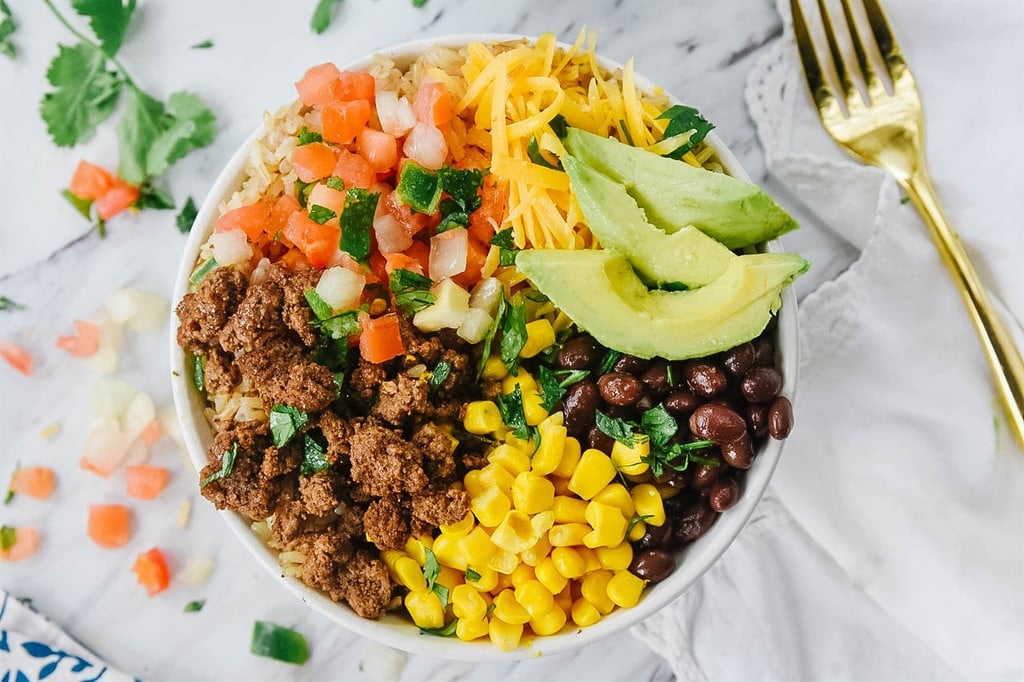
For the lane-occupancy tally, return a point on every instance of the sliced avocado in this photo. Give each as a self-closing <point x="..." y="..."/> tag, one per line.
<point x="675" y="195"/>
<point x="600" y="292"/>
<point x="688" y="256"/>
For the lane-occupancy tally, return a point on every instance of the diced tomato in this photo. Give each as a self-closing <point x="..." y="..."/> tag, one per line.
<point x="317" y="242"/>
<point x="319" y="84"/>
<point x="90" y="181"/>
<point x="381" y="339"/>
<point x="313" y="161"/>
<point x="145" y="482"/>
<point x="16" y="357"/>
<point x="254" y="220"/>
<point x="116" y="199"/>
<point x="420" y="253"/>
<point x="84" y="343"/>
<point x="34" y="482"/>
<point x="433" y="104"/>
<point x="25" y="543"/>
<point x="294" y="261"/>
<point x="152" y="432"/>
<point x="476" y="254"/>
<point x="484" y="222"/>
<point x="401" y="261"/>
<point x="342" y="121"/>
<point x="380" y="149"/>
<point x="354" y="170"/>
<point x="150" y="568"/>
<point x="109" y="525"/>
<point x="328" y="197"/>
<point x="353" y="85"/>
<point x="412" y="222"/>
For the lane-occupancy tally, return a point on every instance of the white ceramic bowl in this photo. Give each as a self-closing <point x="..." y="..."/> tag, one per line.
<point x="399" y="632"/>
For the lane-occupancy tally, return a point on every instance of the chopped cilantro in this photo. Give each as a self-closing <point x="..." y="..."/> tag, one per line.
<point x="204" y="45"/>
<point x="659" y="425"/>
<point x="341" y="326"/>
<point x="411" y="290"/>
<point x="559" y="126"/>
<point x="418" y="188"/>
<point x="533" y="151"/>
<point x="683" y="119"/>
<point x="904" y="200"/>
<point x="285" y="422"/>
<point x="431" y="567"/>
<point x="410" y="302"/>
<point x="472" y="576"/>
<point x="307" y="136"/>
<point x="510" y="406"/>
<point x="442" y="593"/>
<point x="199" y="373"/>
<point x="440" y="374"/>
<point x="356" y="221"/>
<point x="507" y="248"/>
<point x="313" y="459"/>
<point x="187" y="217"/>
<point x="227" y="465"/>
<point x="462" y="185"/>
<point x="7" y="28"/>
<point x="616" y="428"/>
<point x="323" y="14"/>
<point x="610" y="358"/>
<point x="8" y="304"/>
<point x="334" y="182"/>
<point x="194" y="606"/>
<point x="449" y="629"/>
<point x="320" y="214"/>
<point x="200" y="274"/>
<point x="513" y="333"/>
<point x="499" y="317"/>
<point x="302" y="191"/>
<point x="8" y="536"/>
<point x="152" y="197"/>
<point x="9" y="496"/>
<point x="318" y="304"/>
<point x="419" y="3"/>
<point x="278" y="643"/>
<point x="553" y="383"/>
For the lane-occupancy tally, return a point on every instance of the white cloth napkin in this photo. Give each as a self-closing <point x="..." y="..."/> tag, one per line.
<point x="890" y="545"/>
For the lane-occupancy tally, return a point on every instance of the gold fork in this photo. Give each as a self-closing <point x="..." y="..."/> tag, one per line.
<point x="887" y="130"/>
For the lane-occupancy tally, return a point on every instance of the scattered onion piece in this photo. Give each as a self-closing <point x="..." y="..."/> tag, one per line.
<point x="183" y="513"/>
<point x="49" y="431"/>
<point x="105" y="447"/>
<point x="16" y="357"/>
<point x="26" y="541"/>
<point x="84" y="343"/>
<point x="197" y="569"/>
<point x="37" y="482"/>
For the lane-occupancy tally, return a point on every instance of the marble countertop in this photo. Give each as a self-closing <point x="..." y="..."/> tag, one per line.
<point x="50" y="262"/>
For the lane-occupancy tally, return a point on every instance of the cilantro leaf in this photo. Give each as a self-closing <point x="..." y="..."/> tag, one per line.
<point x="151" y="138"/>
<point x="449" y="629"/>
<point x="8" y="536"/>
<point x="412" y="290"/>
<point x="340" y="326"/>
<point x="320" y="214"/>
<point x="194" y="606"/>
<point x="108" y="20"/>
<point x="199" y="373"/>
<point x="419" y="3"/>
<point x="8" y="304"/>
<point x="356" y="221"/>
<point x="200" y="274"/>
<point x="510" y="406"/>
<point x="431" y="567"/>
<point x="442" y="593"/>
<point x="507" y="248"/>
<point x="83" y="206"/>
<point x="513" y="333"/>
<point x="227" y="465"/>
<point x="85" y="96"/>
<point x="187" y="217"/>
<point x="302" y="192"/>
<point x="410" y="302"/>
<point x="610" y="358"/>
<point x="617" y="428"/>
<point x="441" y="372"/>
<point x="285" y="422"/>
<point x="537" y="157"/>
<point x="683" y="119"/>
<point x="7" y="28"/>
<point x="462" y="185"/>
<point x="659" y="425"/>
<point x="499" y="317"/>
<point x="452" y="220"/>
<point x="472" y="576"/>
<point x="307" y="136"/>
<point x="319" y="305"/>
<point x="559" y="126"/>
<point x="334" y="182"/>
<point x="323" y="14"/>
<point x="205" y="45"/>
<point x="553" y="383"/>
<point x="153" y="197"/>
<point x="669" y="456"/>
<point x="313" y="459"/>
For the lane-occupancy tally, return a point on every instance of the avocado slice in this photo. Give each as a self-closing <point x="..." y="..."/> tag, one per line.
<point x="675" y="195"/>
<point x="601" y="293"/>
<point x="687" y="257"/>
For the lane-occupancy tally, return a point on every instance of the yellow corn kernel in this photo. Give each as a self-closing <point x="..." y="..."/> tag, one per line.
<point x="482" y="416"/>
<point x="564" y="598"/>
<point x="561" y="486"/>
<point x="533" y="407"/>
<point x="505" y="636"/>
<point x="506" y="608"/>
<point x="448" y="553"/>
<point x="503" y="561"/>
<point x="594" y="472"/>
<point x="494" y="369"/>
<point x="522" y="574"/>
<point x="552" y="445"/>
<point x="390" y="557"/>
<point x="417" y="548"/>
<point x="510" y="458"/>
<point x="504" y="582"/>
<point x="539" y="335"/>
<point x="570" y="458"/>
<point x="567" y="534"/>
<point x="468" y="630"/>
<point x="617" y="495"/>
<point x="568" y="562"/>
<point x="569" y="509"/>
<point x="524" y="380"/>
<point x="629" y="458"/>
<point x="639" y="478"/>
<point x="667" y="492"/>
<point x="584" y="613"/>
<point x="477" y="547"/>
<point x="589" y="558"/>
<point x="497" y="476"/>
<point x="467" y="603"/>
<point x="425" y="609"/>
<point x="515" y="533"/>
<point x="490" y="506"/>
<point x="594" y="589"/>
<point x="534" y="597"/>
<point x="531" y="493"/>
<point x="608" y="523"/>
<point x="410" y="574"/>
<point x="451" y="577"/>
<point x="625" y="589"/>
<point x="460" y="528"/>
<point x="638" y="530"/>
<point x="488" y="579"/>
<point x="538" y="552"/>
<point x="472" y="482"/>
<point x="648" y="504"/>
<point x="549" y="576"/>
<point x="616" y="558"/>
<point x="549" y="622"/>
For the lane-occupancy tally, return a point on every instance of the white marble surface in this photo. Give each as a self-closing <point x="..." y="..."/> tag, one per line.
<point x="701" y="51"/>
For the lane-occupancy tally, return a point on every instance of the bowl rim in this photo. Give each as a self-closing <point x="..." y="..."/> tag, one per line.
<point x="399" y="633"/>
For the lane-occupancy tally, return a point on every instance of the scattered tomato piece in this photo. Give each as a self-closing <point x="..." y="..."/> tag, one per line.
<point x="35" y="482"/>
<point x="109" y="524"/>
<point x="486" y="220"/>
<point x="90" y="181"/>
<point x="319" y="243"/>
<point x="151" y="570"/>
<point x="433" y="104"/>
<point x="118" y="198"/>
<point x="381" y="339"/>
<point x="476" y="256"/>
<point x="84" y="343"/>
<point x="342" y="121"/>
<point x="313" y="161"/>
<point x="401" y="261"/>
<point x="145" y="482"/>
<point x="26" y="541"/>
<point x="16" y="357"/>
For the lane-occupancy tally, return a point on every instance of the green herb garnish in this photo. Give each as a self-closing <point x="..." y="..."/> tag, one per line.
<point x="472" y="576"/>
<point x="617" y="428"/>
<point x="431" y="567"/>
<point x="153" y="197"/>
<point x="8" y="536"/>
<point x="335" y="183"/>
<point x="411" y="290"/>
<point x="537" y="157"/>
<point x="302" y="192"/>
<point x="510" y="406"/>
<point x="285" y="422"/>
<point x="194" y="606"/>
<point x="683" y="119"/>
<point x="499" y="317"/>
<point x="507" y="248"/>
<point x="278" y="643"/>
<point x="610" y="358"/>
<point x="635" y="520"/>
<point x="513" y="333"/>
<point x="356" y="221"/>
<point x="7" y="28"/>
<point x="84" y="208"/>
<point x="553" y="383"/>
<point x="8" y="304"/>
<point x="8" y="497"/>
<point x="187" y="217"/>
<point x="462" y="185"/>
<point x="204" y="45"/>
<point x="313" y="459"/>
<point x="440" y="374"/>
<point x="321" y="214"/>
<point x="659" y="425"/>
<point x="340" y="326"/>
<point x="559" y="126"/>
<point x="227" y="465"/>
<point x="307" y="136"/>
<point x="449" y="629"/>
<point x="199" y="373"/>
<point x="204" y="269"/>
<point x="318" y="304"/>
<point x="904" y="200"/>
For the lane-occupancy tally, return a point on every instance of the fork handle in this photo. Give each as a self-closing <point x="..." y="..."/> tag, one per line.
<point x="1000" y="351"/>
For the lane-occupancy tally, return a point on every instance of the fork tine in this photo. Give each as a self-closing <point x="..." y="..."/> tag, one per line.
<point x="816" y="83"/>
<point x="886" y="41"/>
<point x="852" y="96"/>
<point x="874" y="85"/>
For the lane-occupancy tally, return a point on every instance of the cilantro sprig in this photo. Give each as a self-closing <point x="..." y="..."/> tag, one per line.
<point x="7" y="29"/>
<point x="227" y="465"/>
<point x="513" y="332"/>
<point x="554" y="383"/>
<point x="314" y="459"/>
<point x="411" y="290"/>
<point x="285" y="422"/>
<point x="8" y="304"/>
<point x="441" y="372"/>
<point x="507" y="249"/>
<point x="681" y="120"/>
<point x="510" y="407"/>
<point x="187" y="217"/>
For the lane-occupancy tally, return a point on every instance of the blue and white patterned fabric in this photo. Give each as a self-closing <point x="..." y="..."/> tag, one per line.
<point x="32" y="648"/>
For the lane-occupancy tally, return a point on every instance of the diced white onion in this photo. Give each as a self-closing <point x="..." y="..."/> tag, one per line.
<point x="105" y="445"/>
<point x="197" y="569"/>
<point x="447" y="312"/>
<point x="230" y="247"/>
<point x="340" y="288"/>
<point x="426" y="146"/>
<point x="140" y="310"/>
<point x="391" y="236"/>
<point x="448" y="253"/>
<point x="183" y="513"/>
<point x="395" y="115"/>
<point x="110" y="398"/>
<point x="138" y="415"/>
<point x="475" y="326"/>
<point x="381" y="663"/>
<point x="122" y="304"/>
<point x="104" y="361"/>
<point x="486" y="295"/>
<point x="137" y="453"/>
<point x="262" y="271"/>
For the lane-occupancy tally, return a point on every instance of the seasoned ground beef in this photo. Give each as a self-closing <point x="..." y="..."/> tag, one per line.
<point x="402" y="399"/>
<point x="387" y="522"/>
<point x="317" y="492"/>
<point x="204" y="313"/>
<point x="443" y="506"/>
<point x="220" y="374"/>
<point x="435" y="446"/>
<point x="366" y="585"/>
<point x="383" y="461"/>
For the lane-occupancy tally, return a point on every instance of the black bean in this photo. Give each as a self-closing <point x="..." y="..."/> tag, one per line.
<point x="761" y="384"/>
<point x="619" y="388"/>
<point x="646" y="403"/>
<point x="681" y="402"/>
<point x="717" y="422"/>
<point x="693" y="522"/>
<point x="656" y="378"/>
<point x="599" y="440"/>
<point x="579" y="352"/>
<point x="627" y="412"/>
<point x="631" y="364"/>
<point x="739" y="453"/>
<point x="764" y="353"/>
<point x="656" y="537"/>
<point x="706" y="380"/>
<point x="703" y="475"/>
<point x="739" y="359"/>
<point x="780" y="418"/>
<point x="578" y="405"/>
<point x="654" y="565"/>
<point x="723" y="494"/>
<point x="757" y="418"/>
